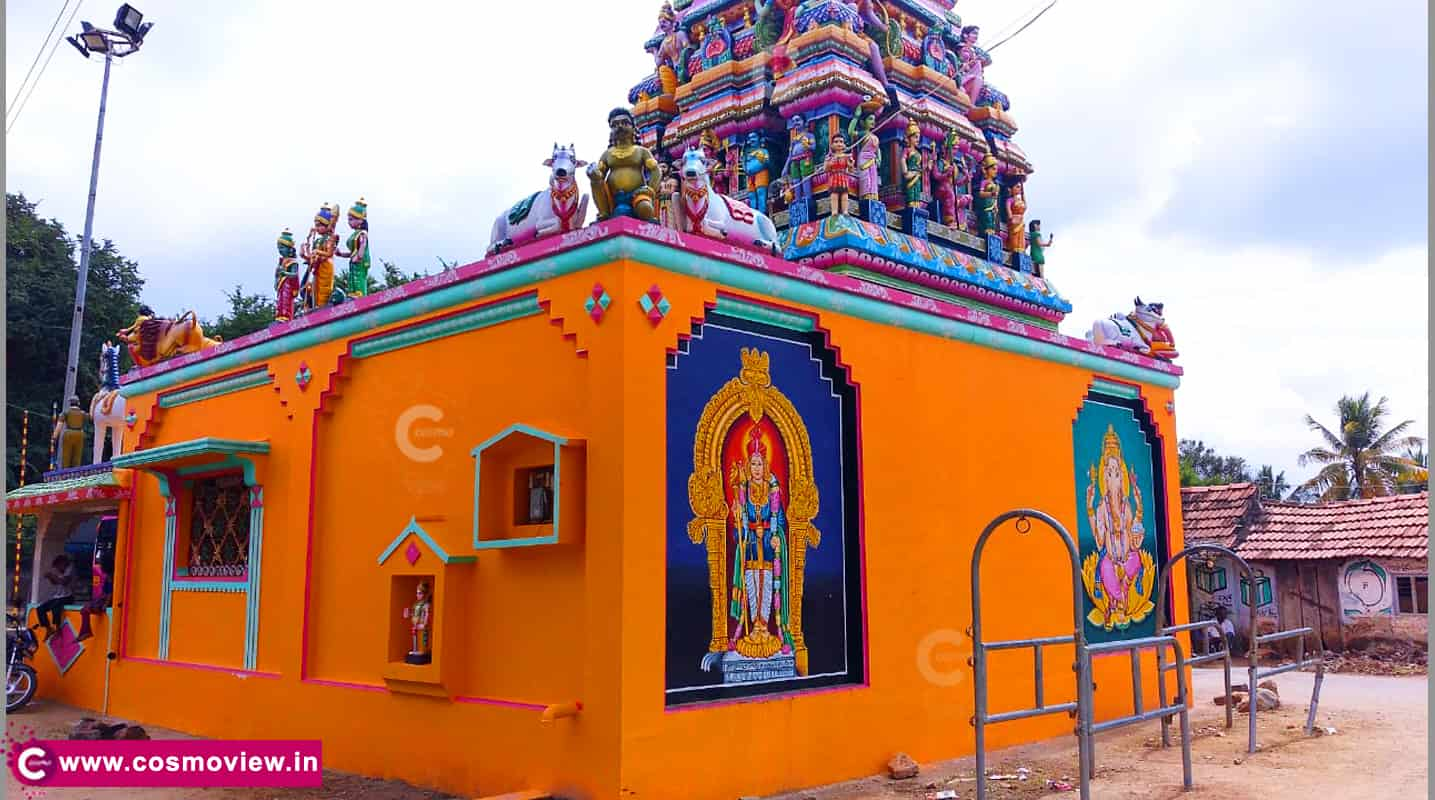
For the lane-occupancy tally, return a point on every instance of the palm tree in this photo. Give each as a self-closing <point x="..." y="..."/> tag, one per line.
<point x="1273" y="484"/>
<point x="1358" y="461"/>
<point x="1417" y="477"/>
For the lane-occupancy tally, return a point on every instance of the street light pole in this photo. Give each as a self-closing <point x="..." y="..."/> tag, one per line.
<point x="72" y="363"/>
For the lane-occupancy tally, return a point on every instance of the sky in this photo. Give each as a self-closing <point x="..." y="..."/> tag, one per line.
<point x="1258" y="167"/>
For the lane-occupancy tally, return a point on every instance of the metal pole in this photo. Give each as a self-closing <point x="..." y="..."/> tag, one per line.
<point x="72" y="362"/>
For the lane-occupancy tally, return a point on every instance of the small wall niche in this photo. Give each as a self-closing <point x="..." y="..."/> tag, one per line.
<point x="418" y="556"/>
<point x="403" y="591"/>
<point x="528" y="489"/>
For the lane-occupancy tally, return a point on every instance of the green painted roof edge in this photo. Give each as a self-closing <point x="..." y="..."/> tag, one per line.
<point x="193" y="447"/>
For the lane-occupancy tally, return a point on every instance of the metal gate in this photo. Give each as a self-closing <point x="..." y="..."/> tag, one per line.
<point x="1082" y="707"/>
<point x="1253" y="672"/>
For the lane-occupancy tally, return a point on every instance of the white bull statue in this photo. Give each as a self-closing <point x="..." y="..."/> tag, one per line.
<point x="700" y="209"/>
<point x="1144" y="331"/>
<point x="557" y="209"/>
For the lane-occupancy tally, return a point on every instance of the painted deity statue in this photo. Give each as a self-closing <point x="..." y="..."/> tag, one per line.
<point x="1113" y="508"/>
<point x="883" y="34"/>
<point x="357" y="249"/>
<point x="151" y="338"/>
<point x="318" y="252"/>
<point x="667" y="187"/>
<point x="797" y="171"/>
<point x="69" y="434"/>
<point x="286" y="278"/>
<point x="713" y="151"/>
<point x="973" y="63"/>
<point x="420" y="617"/>
<point x="838" y="168"/>
<point x="625" y="178"/>
<point x="1016" y="216"/>
<point x="758" y="601"/>
<point x="668" y="54"/>
<point x="950" y="179"/>
<point x="756" y="162"/>
<point x="986" y="200"/>
<point x="869" y="153"/>
<point x="1038" y="247"/>
<point x="107" y="407"/>
<point x="776" y="22"/>
<point x="913" y="164"/>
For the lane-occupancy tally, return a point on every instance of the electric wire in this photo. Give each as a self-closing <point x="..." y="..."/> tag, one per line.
<point x="36" y="82"/>
<point x="36" y="60"/>
<point x="1024" y="27"/>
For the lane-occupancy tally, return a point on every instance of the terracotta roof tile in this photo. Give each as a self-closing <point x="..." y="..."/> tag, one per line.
<point x="1390" y="527"/>
<point x="1213" y="514"/>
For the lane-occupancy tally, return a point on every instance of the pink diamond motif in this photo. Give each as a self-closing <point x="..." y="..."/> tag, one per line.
<point x="412" y="553"/>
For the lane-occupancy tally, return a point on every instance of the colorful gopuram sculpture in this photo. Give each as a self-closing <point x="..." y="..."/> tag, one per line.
<point x="357" y="249"/>
<point x="286" y="278"/>
<point x="1038" y="247"/>
<point x="151" y="338"/>
<point x="1144" y="331"/>
<point x="625" y="178"/>
<point x="698" y="208"/>
<point x="929" y="139"/>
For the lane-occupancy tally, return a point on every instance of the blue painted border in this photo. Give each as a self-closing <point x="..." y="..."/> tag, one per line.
<point x="477" y="453"/>
<point x="415" y="529"/>
<point x="249" y="379"/>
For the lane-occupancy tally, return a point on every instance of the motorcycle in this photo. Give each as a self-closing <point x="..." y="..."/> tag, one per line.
<point x="20" y="678"/>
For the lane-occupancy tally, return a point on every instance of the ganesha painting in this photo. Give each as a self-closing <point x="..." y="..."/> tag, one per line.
<point x="1121" y="537"/>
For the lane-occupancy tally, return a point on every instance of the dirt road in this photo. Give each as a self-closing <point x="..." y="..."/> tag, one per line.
<point x="1378" y="751"/>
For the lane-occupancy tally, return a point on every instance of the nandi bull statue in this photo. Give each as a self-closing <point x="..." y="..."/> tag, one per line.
<point x="700" y="209"/>
<point x="1144" y="330"/>
<point x="557" y="209"/>
<point x="107" y="408"/>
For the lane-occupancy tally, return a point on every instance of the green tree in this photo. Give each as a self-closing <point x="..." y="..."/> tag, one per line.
<point x="1203" y="466"/>
<point x="247" y="313"/>
<point x="393" y="277"/>
<point x="1417" y="477"/>
<point x="40" y="273"/>
<point x="1273" y="485"/>
<point x="1359" y="460"/>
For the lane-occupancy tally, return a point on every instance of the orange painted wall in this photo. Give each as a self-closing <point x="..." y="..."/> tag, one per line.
<point x="952" y="434"/>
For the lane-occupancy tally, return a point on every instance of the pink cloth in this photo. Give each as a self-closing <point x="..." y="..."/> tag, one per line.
<point x="1115" y="589"/>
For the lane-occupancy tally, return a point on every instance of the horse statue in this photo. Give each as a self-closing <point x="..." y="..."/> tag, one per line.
<point x="557" y="209"/>
<point x="700" y="209"/>
<point x="107" y="408"/>
<point x="152" y="339"/>
<point x="1144" y="331"/>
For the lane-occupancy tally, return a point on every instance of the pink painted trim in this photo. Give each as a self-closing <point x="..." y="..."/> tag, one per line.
<point x="552" y="245"/>
<point x="121" y="601"/>
<point x="765" y="698"/>
<point x="238" y="673"/>
<point x="363" y="687"/>
<point x="501" y="703"/>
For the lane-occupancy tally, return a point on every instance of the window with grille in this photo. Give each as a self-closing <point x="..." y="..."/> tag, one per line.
<point x="1210" y="579"/>
<point x="1412" y="594"/>
<point x="219" y="528"/>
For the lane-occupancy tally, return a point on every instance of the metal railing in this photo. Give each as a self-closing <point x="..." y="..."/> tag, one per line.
<point x="1253" y="673"/>
<point x="1082" y="707"/>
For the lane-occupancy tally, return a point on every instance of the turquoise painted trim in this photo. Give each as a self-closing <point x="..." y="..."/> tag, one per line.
<point x="667" y="257"/>
<point x="477" y="453"/>
<point x="195" y="447"/>
<point x="767" y="315"/>
<point x="1115" y="389"/>
<point x="227" y="462"/>
<point x="937" y="294"/>
<point x="168" y="588"/>
<point x="463" y="322"/>
<point x="688" y="263"/>
<point x="251" y="587"/>
<point x="518" y="427"/>
<point x="238" y="383"/>
<point x="416" y="529"/>
<point x="575" y="260"/>
<point x="234" y="587"/>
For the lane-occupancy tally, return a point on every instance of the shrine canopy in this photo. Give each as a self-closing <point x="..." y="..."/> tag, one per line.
<point x="90" y="490"/>
<point x="195" y="456"/>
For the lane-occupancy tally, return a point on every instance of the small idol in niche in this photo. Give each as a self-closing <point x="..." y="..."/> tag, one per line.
<point x="540" y="496"/>
<point x="420" y="617"/>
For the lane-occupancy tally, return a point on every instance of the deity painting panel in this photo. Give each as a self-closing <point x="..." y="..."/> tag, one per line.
<point x="1121" y="517"/>
<point x="763" y="565"/>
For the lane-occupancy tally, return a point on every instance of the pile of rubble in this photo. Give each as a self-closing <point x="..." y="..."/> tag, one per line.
<point x="1383" y="657"/>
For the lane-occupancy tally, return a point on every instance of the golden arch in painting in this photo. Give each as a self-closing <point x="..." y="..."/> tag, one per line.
<point x="713" y="492"/>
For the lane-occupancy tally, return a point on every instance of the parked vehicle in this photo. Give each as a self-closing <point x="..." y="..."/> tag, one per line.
<point x="20" y="678"/>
